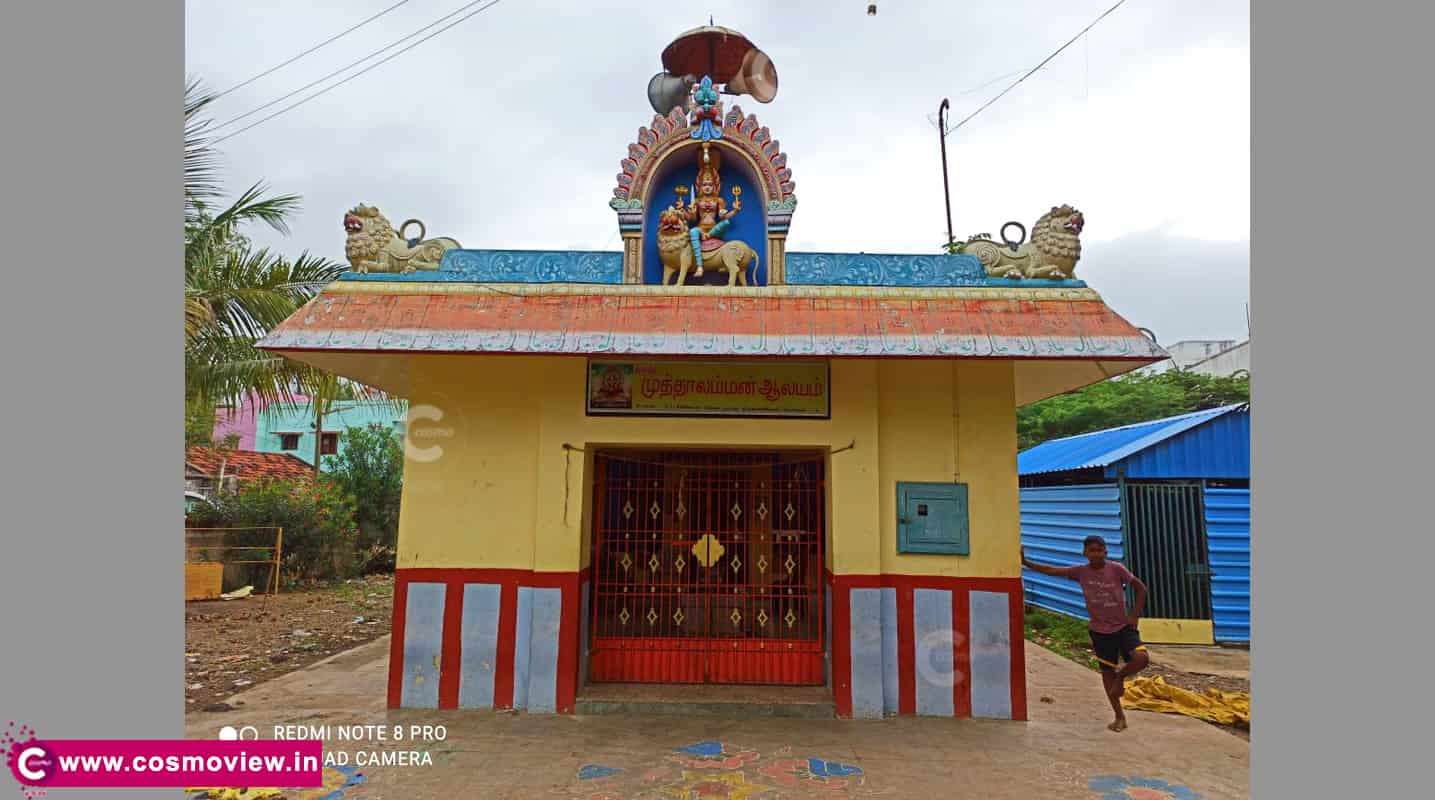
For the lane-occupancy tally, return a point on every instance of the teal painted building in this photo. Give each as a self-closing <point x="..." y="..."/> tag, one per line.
<point x="289" y="427"/>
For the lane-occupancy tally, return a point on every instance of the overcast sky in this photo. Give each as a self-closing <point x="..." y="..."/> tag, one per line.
<point x="506" y="131"/>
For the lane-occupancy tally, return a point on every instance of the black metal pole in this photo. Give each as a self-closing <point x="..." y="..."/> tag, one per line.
<point x="946" y="189"/>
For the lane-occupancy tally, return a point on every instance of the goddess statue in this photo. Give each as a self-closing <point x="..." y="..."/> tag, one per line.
<point x="707" y="208"/>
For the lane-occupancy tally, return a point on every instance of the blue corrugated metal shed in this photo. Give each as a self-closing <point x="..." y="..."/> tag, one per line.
<point x="1228" y="537"/>
<point x="1206" y="445"/>
<point x="1196" y="445"/>
<point x="1054" y="521"/>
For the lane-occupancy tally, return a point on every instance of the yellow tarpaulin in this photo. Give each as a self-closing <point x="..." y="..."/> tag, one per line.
<point x="237" y="794"/>
<point x="1155" y="694"/>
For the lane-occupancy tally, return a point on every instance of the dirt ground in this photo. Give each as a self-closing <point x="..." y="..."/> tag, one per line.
<point x="1167" y="662"/>
<point x="1198" y="682"/>
<point x="231" y="645"/>
<point x="1194" y="681"/>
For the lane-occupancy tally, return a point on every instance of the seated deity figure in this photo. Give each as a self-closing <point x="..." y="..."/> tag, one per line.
<point x="707" y="208"/>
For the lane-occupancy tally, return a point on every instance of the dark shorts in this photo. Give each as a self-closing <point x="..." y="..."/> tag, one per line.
<point x="1111" y="647"/>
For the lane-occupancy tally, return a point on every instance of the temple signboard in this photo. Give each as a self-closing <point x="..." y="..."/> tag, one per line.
<point x="709" y="388"/>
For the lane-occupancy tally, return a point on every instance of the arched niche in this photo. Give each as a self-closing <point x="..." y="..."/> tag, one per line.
<point x="665" y="154"/>
<point x="679" y="168"/>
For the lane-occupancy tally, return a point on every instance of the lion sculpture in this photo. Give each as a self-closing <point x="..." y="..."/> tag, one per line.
<point x="1052" y="253"/>
<point x="675" y="249"/>
<point x="374" y="246"/>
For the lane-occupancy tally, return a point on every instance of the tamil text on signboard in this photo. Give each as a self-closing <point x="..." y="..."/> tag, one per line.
<point x="697" y="388"/>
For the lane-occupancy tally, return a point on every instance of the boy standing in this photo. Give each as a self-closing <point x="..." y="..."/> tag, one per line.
<point x="1113" y="631"/>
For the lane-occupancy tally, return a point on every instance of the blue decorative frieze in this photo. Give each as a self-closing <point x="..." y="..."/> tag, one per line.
<point x="803" y="269"/>
<point x="513" y="266"/>
<point x="887" y="269"/>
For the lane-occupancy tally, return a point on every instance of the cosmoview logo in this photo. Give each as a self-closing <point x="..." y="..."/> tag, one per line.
<point x="35" y="763"/>
<point x="935" y="657"/>
<point x="30" y="760"/>
<point x="420" y="443"/>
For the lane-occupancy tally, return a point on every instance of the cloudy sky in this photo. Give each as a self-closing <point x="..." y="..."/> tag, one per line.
<point x="506" y="130"/>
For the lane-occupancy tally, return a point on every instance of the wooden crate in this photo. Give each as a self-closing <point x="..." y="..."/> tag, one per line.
<point x="203" y="581"/>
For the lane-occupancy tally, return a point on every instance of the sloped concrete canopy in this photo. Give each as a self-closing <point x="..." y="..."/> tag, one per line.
<point x="1059" y="339"/>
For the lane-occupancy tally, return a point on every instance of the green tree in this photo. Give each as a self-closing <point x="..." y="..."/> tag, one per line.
<point x="370" y="467"/>
<point x="234" y="291"/>
<point x="1125" y="401"/>
<point x="318" y="518"/>
<point x="198" y="422"/>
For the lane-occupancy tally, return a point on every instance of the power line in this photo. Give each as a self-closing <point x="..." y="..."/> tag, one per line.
<point x="349" y="66"/>
<point x="982" y="86"/>
<point x="328" y="41"/>
<point x="1034" y="69"/>
<point x="334" y="86"/>
<point x="932" y="118"/>
<point x="353" y="64"/>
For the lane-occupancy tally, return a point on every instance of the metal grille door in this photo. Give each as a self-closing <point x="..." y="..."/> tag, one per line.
<point x="1166" y="548"/>
<point x="707" y="567"/>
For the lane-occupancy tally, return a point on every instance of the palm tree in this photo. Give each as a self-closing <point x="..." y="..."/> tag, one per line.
<point x="235" y="292"/>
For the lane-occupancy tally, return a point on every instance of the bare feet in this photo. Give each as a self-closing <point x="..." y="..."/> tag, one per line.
<point x="1118" y="726"/>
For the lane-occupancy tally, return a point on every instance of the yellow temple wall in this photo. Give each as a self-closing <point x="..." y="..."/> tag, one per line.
<point x="497" y="489"/>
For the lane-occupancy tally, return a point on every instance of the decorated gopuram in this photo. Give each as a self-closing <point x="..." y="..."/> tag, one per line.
<point x="703" y="458"/>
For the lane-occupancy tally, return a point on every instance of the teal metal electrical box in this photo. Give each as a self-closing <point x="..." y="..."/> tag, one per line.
<point x="932" y="518"/>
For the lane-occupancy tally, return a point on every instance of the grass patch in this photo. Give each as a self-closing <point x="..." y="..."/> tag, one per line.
<point x="1063" y="635"/>
<point x="358" y="590"/>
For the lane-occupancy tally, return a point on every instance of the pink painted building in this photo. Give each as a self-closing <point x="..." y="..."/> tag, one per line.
<point x="243" y="420"/>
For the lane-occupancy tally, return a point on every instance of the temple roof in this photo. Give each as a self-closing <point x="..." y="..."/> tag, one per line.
<point x="716" y="321"/>
<point x="1048" y="326"/>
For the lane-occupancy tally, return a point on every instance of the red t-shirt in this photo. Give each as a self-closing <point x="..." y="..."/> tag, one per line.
<point x="1105" y="591"/>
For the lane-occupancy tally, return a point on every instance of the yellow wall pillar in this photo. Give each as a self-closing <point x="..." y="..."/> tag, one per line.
<point x="915" y="443"/>
<point x="854" y="523"/>
<point x="470" y="496"/>
<point x="560" y="541"/>
<point x="985" y="413"/>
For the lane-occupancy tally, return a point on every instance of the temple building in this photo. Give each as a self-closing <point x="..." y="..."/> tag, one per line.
<point x="703" y="458"/>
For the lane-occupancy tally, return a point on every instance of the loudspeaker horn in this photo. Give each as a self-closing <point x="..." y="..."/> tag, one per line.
<point x="667" y="91"/>
<point x="756" y="77"/>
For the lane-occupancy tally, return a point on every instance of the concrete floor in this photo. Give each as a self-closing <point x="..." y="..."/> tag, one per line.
<point x="1063" y="751"/>
<point x="807" y="702"/>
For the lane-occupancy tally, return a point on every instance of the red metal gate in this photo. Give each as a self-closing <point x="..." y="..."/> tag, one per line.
<point x="707" y="567"/>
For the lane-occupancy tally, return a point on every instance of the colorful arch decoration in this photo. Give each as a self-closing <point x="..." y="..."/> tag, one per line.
<point x="667" y="133"/>
<point x="743" y="138"/>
